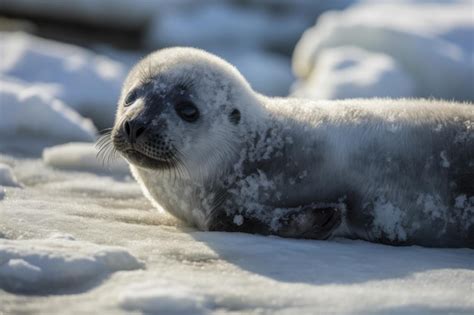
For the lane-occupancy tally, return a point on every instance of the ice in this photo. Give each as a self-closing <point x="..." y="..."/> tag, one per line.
<point x="49" y="265"/>
<point x="429" y="42"/>
<point x="74" y="217"/>
<point x="226" y="26"/>
<point x="267" y="73"/>
<point x="79" y="237"/>
<point x="350" y="72"/>
<point x="18" y="270"/>
<point x="7" y="178"/>
<point x="387" y="221"/>
<point x="188" y="22"/>
<point x="120" y="14"/>
<point x="163" y="297"/>
<point x="29" y="112"/>
<point x="87" y="82"/>
<point x="82" y="156"/>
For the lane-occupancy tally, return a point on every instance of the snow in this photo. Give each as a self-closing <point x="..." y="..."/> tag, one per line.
<point x="256" y="36"/>
<point x="106" y="12"/>
<point x="163" y="297"/>
<point x="79" y="237"/>
<point x="225" y="26"/>
<point x="267" y="73"/>
<point x="128" y="257"/>
<point x="189" y="22"/>
<point x="53" y="120"/>
<point x="350" y="72"/>
<point x="388" y="221"/>
<point x="87" y="82"/>
<point x="43" y="266"/>
<point x="444" y="159"/>
<point x="429" y="46"/>
<point x="7" y="178"/>
<point x="82" y="156"/>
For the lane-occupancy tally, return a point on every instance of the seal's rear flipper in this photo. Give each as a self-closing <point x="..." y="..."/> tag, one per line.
<point x="310" y="221"/>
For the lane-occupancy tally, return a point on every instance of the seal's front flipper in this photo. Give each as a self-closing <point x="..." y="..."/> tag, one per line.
<point x="309" y="221"/>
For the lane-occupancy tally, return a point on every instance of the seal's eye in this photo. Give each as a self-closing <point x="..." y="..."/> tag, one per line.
<point x="234" y="116"/>
<point x="131" y="98"/>
<point x="187" y="111"/>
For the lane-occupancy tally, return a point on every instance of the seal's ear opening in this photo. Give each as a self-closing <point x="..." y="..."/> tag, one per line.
<point x="234" y="116"/>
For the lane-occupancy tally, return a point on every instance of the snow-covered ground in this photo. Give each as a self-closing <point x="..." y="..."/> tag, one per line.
<point x="78" y="237"/>
<point x="92" y="242"/>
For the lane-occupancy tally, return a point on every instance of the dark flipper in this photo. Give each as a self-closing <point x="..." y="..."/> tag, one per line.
<point x="307" y="221"/>
<point x="310" y="222"/>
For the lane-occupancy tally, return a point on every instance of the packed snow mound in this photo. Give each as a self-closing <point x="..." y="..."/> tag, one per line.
<point x="87" y="82"/>
<point x="29" y="112"/>
<point x="82" y="156"/>
<point x="48" y="265"/>
<point x="350" y="72"/>
<point x="430" y="41"/>
<point x="7" y="178"/>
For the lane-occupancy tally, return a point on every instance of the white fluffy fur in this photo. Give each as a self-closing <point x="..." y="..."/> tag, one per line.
<point x="289" y="138"/>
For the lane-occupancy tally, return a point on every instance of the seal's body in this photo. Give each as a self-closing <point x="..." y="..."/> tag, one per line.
<point x="211" y="151"/>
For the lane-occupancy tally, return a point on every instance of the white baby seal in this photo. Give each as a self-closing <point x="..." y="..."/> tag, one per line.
<point x="211" y="151"/>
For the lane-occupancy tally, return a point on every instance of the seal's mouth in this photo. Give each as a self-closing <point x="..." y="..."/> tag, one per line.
<point x="151" y="155"/>
<point x="143" y="160"/>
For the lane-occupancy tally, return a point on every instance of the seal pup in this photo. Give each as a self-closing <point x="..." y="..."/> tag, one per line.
<point x="212" y="152"/>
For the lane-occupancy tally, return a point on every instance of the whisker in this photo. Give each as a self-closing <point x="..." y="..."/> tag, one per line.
<point x="106" y="152"/>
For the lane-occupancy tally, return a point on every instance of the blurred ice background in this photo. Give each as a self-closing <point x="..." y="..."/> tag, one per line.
<point x="83" y="235"/>
<point x="79" y="52"/>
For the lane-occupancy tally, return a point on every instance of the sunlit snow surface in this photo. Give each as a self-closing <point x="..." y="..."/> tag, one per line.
<point x="92" y="242"/>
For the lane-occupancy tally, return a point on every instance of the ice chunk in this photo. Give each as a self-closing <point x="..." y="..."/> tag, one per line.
<point x="83" y="157"/>
<point x="267" y="73"/>
<point x="224" y="25"/>
<point x="29" y="112"/>
<point x="7" y="178"/>
<point x="40" y="266"/>
<point x="87" y="82"/>
<point x="350" y="72"/>
<point x="426" y="39"/>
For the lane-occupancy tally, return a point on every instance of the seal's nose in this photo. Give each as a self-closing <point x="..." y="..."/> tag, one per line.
<point x="133" y="129"/>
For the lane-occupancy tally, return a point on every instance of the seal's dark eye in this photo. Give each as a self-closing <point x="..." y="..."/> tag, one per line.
<point x="187" y="111"/>
<point x="131" y="98"/>
<point x="234" y="116"/>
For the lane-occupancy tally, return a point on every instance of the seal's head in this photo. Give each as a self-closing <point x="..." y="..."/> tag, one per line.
<point x="182" y="107"/>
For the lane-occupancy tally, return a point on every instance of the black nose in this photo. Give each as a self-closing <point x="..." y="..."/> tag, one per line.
<point x="133" y="129"/>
